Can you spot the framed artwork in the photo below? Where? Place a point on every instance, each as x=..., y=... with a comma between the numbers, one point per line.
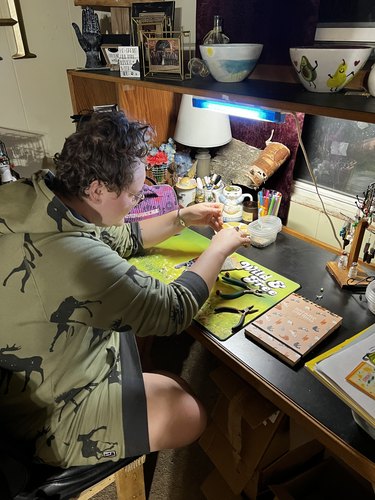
x=149, y=16
x=166, y=8
x=164, y=55
x=110, y=54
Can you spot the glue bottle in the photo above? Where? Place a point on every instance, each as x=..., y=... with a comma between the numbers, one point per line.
x=343, y=260
x=353, y=271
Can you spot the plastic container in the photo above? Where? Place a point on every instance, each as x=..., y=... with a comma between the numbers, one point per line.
x=370, y=296
x=270, y=221
x=263, y=233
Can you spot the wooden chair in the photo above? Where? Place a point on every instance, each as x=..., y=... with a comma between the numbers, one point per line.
x=20, y=479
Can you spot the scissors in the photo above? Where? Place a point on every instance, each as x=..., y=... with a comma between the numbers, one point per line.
x=243, y=312
x=245, y=289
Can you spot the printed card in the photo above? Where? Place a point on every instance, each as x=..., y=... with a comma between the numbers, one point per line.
x=363, y=378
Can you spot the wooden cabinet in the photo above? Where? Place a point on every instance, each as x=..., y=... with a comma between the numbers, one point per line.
x=157, y=101
x=157, y=105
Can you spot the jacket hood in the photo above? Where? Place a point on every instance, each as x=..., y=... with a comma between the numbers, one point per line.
x=29, y=206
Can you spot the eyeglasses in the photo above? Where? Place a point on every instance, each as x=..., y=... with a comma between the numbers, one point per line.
x=137, y=197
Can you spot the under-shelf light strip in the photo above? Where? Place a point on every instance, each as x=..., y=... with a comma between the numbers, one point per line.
x=240, y=110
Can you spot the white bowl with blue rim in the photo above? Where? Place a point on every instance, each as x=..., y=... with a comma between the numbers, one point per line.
x=231, y=62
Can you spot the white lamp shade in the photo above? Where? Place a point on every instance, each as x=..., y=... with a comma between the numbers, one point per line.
x=201, y=128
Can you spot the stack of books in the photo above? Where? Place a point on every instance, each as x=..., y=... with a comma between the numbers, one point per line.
x=349, y=371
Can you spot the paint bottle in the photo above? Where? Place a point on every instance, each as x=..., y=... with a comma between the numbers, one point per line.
x=353, y=271
x=343, y=260
x=371, y=81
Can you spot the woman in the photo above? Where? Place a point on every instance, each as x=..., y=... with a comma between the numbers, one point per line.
x=71, y=303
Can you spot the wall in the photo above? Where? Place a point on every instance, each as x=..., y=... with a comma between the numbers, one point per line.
x=307, y=215
x=34, y=93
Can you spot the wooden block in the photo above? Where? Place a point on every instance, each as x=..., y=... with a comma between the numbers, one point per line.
x=130, y=483
x=341, y=276
x=96, y=488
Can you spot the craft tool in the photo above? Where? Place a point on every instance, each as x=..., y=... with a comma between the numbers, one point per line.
x=243, y=312
x=245, y=289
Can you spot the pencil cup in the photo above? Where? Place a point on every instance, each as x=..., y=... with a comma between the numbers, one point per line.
x=217, y=192
x=268, y=202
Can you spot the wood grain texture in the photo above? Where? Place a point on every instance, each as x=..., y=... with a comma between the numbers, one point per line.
x=106, y=3
x=86, y=93
x=159, y=108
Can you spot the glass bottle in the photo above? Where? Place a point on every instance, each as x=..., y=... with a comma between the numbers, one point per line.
x=216, y=35
x=343, y=260
x=353, y=271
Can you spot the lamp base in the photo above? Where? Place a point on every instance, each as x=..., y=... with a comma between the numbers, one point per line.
x=203, y=158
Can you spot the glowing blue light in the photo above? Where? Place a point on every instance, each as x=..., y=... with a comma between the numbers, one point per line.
x=241, y=110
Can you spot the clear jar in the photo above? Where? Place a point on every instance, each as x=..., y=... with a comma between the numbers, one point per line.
x=353, y=271
x=216, y=35
x=343, y=261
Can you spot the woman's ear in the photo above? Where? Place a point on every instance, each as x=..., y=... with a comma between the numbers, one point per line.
x=95, y=191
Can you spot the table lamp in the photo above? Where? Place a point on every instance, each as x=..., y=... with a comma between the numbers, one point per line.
x=201, y=129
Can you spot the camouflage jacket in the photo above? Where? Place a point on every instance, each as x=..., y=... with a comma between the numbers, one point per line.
x=70, y=305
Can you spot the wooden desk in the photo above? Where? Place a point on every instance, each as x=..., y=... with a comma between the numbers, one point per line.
x=294, y=390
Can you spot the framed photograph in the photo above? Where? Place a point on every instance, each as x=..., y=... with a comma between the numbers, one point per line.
x=146, y=15
x=164, y=56
x=110, y=53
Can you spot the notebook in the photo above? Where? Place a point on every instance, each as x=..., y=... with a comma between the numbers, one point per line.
x=293, y=327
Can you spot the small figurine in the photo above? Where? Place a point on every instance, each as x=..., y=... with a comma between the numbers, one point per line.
x=90, y=38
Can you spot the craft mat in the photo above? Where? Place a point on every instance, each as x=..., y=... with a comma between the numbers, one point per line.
x=160, y=263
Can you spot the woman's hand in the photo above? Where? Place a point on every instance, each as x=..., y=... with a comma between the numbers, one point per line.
x=223, y=244
x=203, y=214
x=228, y=240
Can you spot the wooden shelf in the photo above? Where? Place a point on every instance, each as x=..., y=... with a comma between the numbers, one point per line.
x=282, y=96
x=106, y=3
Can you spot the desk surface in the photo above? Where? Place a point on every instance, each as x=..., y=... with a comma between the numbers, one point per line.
x=293, y=389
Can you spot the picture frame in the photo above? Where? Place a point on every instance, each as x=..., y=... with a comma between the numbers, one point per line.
x=143, y=15
x=148, y=24
x=129, y=62
x=164, y=56
x=111, y=55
